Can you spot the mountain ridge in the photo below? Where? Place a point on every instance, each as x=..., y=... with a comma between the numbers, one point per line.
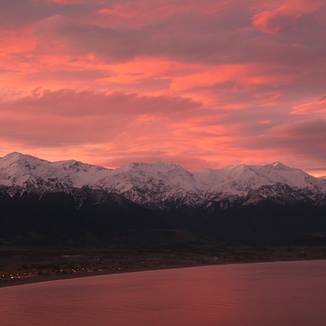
x=160, y=184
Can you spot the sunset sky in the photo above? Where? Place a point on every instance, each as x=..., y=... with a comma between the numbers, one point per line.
x=201, y=83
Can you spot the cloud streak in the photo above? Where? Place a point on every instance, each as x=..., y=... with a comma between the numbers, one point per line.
x=66, y=117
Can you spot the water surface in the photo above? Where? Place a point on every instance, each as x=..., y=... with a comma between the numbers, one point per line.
x=287, y=293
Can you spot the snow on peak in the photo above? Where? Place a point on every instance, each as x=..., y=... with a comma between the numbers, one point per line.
x=31, y=172
x=12, y=156
x=16, y=158
x=239, y=180
x=157, y=166
x=21, y=170
x=145, y=182
x=279, y=165
x=153, y=182
x=80, y=174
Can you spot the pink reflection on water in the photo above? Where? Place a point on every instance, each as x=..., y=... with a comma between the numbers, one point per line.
x=249, y=294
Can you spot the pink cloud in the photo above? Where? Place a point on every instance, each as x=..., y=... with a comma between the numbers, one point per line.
x=130, y=127
x=68, y=1
x=195, y=37
x=211, y=82
x=285, y=16
x=146, y=10
x=318, y=107
x=66, y=117
x=107, y=43
x=302, y=139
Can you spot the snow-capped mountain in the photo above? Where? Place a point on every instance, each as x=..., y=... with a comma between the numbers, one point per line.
x=28, y=172
x=153, y=184
x=242, y=178
x=164, y=184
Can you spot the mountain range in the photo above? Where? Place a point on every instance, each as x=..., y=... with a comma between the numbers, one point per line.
x=70, y=202
x=162, y=185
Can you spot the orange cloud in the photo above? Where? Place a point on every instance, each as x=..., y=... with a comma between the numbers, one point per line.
x=208, y=77
x=146, y=11
x=119, y=10
x=70, y=118
x=70, y=2
x=284, y=16
x=302, y=139
x=310, y=108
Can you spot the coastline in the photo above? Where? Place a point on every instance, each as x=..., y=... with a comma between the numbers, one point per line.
x=40, y=279
x=81, y=263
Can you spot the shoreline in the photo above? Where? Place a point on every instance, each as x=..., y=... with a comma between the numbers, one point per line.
x=83, y=274
x=40, y=279
x=27, y=265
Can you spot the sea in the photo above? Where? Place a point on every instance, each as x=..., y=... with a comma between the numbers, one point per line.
x=278, y=293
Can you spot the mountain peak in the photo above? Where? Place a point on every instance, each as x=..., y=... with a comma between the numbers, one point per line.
x=14, y=156
x=19, y=157
x=279, y=165
x=69, y=163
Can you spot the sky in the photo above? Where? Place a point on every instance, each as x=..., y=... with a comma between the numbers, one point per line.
x=203, y=84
